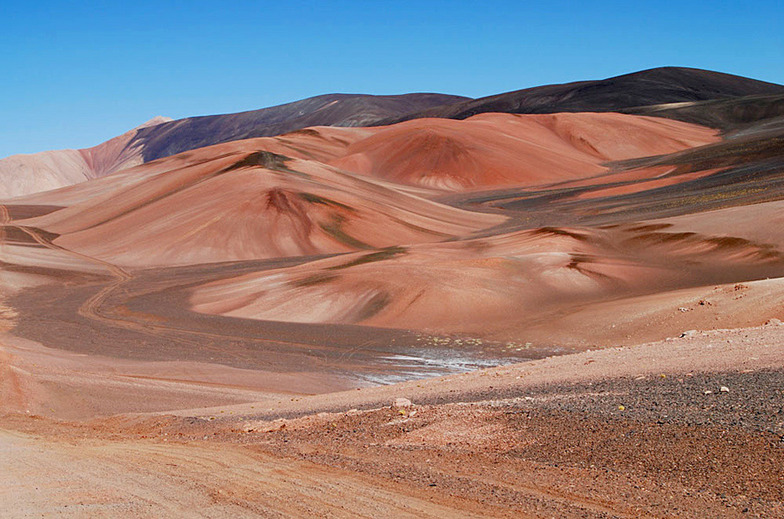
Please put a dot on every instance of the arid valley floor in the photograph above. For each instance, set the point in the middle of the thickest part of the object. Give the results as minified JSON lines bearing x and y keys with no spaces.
{"x":565,"y":301}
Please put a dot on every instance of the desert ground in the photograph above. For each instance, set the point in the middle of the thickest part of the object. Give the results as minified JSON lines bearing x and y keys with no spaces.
{"x":511,"y":312}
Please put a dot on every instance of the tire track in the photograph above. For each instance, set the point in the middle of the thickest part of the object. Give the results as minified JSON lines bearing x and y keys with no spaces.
{"x":91,"y":308}
{"x":141,"y":479}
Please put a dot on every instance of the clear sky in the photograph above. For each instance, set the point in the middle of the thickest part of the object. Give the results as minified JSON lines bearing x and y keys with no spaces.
{"x":77,"y":73}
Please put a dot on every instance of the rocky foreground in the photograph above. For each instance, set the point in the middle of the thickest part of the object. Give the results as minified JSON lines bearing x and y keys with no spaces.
{"x":687,"y":427}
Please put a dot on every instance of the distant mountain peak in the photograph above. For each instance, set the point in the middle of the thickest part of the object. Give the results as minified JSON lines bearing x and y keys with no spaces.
{"x":155,"y":121}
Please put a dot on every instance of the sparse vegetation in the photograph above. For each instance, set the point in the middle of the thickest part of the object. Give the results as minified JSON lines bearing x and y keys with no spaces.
{"x":380,"y":255}
{"x":313,"y":279}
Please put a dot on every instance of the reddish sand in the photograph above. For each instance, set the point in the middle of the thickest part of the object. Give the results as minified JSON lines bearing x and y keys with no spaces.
{"x":200,"y":209}
{"x":491,"y":150}
{"x":184,"y":209}
{"x":41,"y":381}
{"x":412,"y":263}
{"x":508,"y":286}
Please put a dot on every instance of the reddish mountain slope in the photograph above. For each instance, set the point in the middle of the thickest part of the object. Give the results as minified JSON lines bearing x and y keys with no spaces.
{"x":227,"y":203}
{"x":493,"y":150}
{"x":505,"y":285}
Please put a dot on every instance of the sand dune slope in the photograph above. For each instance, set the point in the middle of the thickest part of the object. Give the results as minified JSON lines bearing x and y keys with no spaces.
{"x":491,"y":150}
{"x":497,"y":286}
{"x":223,"y":205}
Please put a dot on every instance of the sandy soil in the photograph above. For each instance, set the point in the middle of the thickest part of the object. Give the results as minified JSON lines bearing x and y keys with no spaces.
{"x":64,"y":385}
{"x":139,"y":478}
{"x":267,"y":208}
{"x":572,"y":287}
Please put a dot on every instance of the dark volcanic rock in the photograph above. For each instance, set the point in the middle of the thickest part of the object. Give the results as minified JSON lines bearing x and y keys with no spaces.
{"x":181,"y":135}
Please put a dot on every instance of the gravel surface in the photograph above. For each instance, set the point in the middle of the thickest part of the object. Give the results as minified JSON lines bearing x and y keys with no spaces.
{"x":753,"y":400}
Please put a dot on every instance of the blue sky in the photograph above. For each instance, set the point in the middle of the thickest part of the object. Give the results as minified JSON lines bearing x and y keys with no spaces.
{"x":77,"y":73}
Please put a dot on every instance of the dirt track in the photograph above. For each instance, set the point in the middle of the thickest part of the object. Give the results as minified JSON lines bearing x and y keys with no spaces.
{"x":145,"y":478}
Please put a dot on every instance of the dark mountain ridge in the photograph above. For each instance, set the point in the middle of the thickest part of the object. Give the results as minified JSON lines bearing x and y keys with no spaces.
{"x":181,"y":135}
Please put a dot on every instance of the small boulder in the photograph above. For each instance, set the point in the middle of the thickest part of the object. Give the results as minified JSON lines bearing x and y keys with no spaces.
{"x":724,"y":389}
{"x":402,"y":402}
{"x":277,"y":425}
{"x":262,"y":426}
